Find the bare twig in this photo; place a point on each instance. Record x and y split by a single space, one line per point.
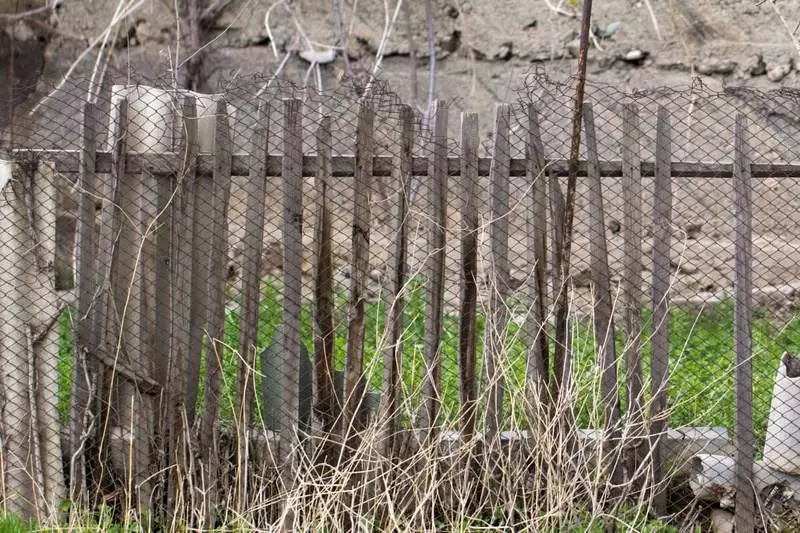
654 20
562 354
789 31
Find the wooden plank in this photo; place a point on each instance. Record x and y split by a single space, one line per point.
498 236
252 243
86 252
223 149
742 335
393 352
292 272
164 164
327 407
604 333
203 236
181 305
557 213
536 334
105 342
365 145
467 347
632 296
434 293
662 232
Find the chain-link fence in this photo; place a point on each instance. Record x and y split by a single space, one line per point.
275 305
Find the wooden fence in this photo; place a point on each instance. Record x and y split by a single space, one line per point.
152 288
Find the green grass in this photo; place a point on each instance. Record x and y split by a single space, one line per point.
701 355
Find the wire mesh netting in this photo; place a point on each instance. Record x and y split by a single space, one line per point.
276 304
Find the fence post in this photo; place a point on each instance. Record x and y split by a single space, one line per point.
469 268
252 243
84 370
632 279
497 323
662 234
745 497
538 368
437 171
393 352
604 332
362 182
221 190
292 289
327 407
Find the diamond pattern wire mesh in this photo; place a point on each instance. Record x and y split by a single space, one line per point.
196 295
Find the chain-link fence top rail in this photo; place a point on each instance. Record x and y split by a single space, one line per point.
702 254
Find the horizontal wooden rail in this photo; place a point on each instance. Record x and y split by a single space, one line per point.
67 161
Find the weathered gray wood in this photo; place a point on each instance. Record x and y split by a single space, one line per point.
742 334
604 333
365 146
223 149
105 341
67 161
393 352
86 250
251 278
662 220
292 269
632 280
327 406
536 334
467 347
434 293
557 213
180 307
498 236
201 258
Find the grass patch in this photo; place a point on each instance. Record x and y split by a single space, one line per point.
701 356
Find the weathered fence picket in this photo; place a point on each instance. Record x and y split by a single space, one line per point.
393 350
632 280
86 253
538 367
327 406
742 333
434 294
495 352
662 236
359 270
603 311
252 253
467 347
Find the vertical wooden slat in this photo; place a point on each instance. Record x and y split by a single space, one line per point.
632 279
105 340
469 271
86 247
201 257
223 154
498 236
292 274
745 498
325 330
253 243
557 217
662 220
393 353
604 332
437 170
360 265
181 278
536 334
